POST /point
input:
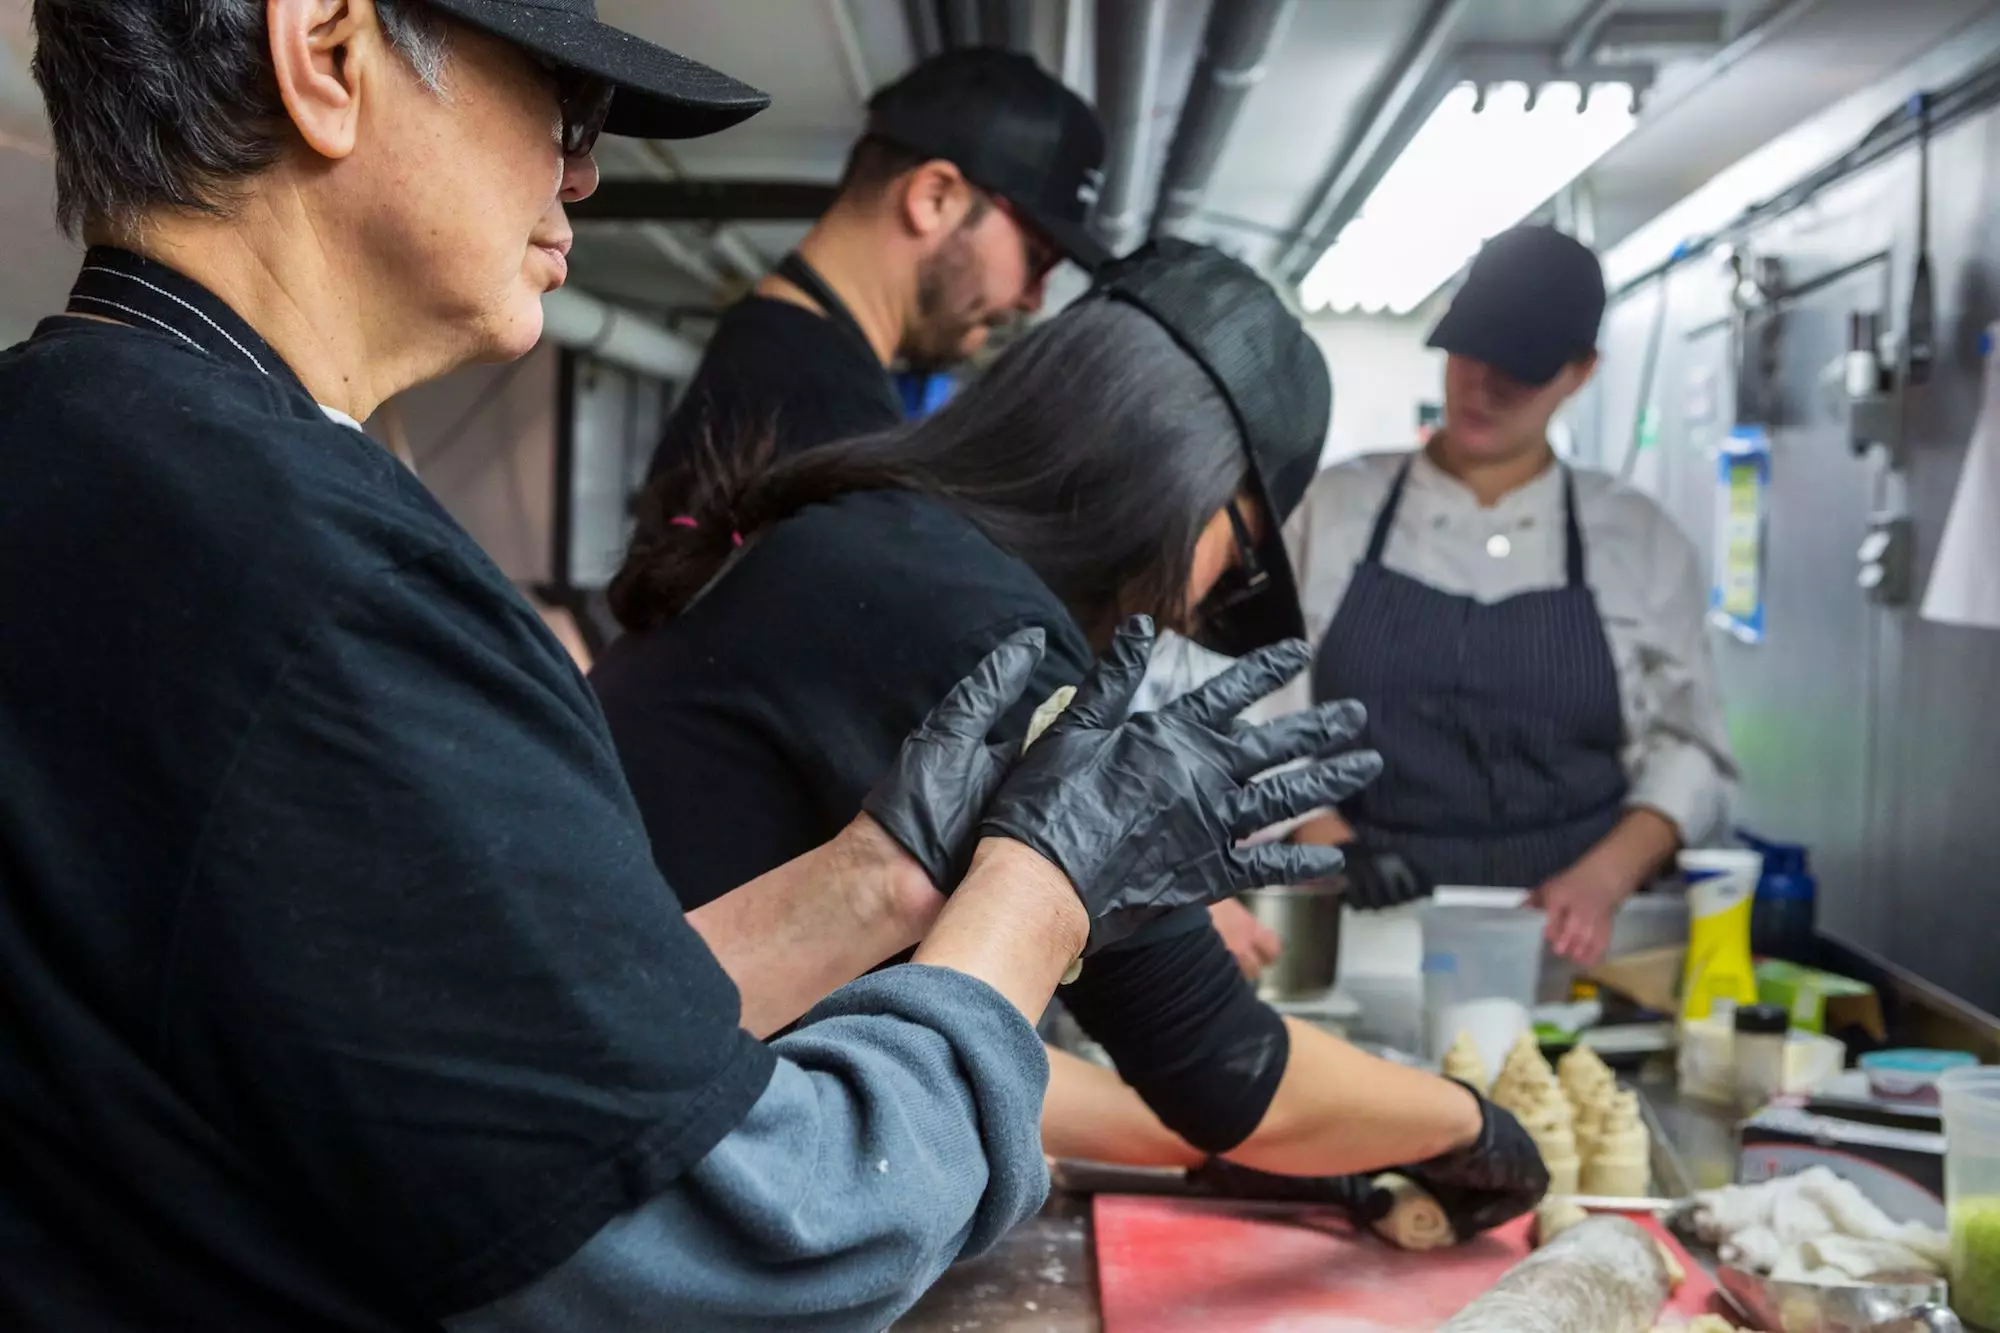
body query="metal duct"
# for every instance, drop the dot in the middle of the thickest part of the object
(1581, 39)
(1131, 42)
(1008, 23)
(579, 320)
(959, 20)
(1234, 50)
(1393, 114)
(926, 33)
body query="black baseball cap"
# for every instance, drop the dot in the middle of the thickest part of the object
(1012, 128)
(1274, 378)
(1529, 307)
(661, 94)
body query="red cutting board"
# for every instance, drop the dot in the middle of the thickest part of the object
(1198, 1266)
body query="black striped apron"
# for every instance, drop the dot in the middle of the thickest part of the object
(1499, 724)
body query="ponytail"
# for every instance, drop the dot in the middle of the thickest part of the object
(693, 516)
(1094, 450)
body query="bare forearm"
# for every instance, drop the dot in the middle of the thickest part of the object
(790, 938)
(1339, 1111)
(1014, 923)
(1637, 847)
(1091, 1114)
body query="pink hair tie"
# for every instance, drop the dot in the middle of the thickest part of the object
(683, 521)
(736, 537)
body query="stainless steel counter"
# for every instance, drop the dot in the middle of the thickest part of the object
(1041, 1278)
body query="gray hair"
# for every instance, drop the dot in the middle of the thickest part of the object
(176, 105)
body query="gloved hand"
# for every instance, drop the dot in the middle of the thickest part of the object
(1494, 1179)
(932, 796)
(1144, 814)
(1377, 879)
(1355, 1196)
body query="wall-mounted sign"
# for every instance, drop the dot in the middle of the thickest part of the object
(1742, 497)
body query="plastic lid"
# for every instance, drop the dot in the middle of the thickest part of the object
(1763, 1020)
(1917, 1061)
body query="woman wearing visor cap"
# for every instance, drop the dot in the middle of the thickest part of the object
(1528, 636)
(1120, 459)
(340, 989)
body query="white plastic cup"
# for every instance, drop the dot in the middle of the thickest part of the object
(1970, 1100)
(1482, 966)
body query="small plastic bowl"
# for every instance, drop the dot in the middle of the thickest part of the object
(1911, 1075)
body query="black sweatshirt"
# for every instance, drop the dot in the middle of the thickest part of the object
(775, 368)
(752, 726)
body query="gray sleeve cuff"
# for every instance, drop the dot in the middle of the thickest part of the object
(901, 1131)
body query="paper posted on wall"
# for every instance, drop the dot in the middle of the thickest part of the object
(1965, 581)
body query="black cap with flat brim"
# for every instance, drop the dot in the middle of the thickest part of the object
(1011, 128)
(1530, 306)
(661, 94)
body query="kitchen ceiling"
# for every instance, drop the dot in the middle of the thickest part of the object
(1328, 68)
(1329, 64)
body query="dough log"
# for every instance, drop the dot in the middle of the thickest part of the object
(1555, 1216)
(1415, 1221)
(1600, 1276)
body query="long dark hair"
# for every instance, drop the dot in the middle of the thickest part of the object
(1095, 450)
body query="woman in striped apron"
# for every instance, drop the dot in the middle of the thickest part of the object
(1528, 637)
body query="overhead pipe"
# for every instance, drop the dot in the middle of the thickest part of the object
(1008, 23)
(1235, 50)
(960, 22)
(580, 321)
(926, 32)
(1393, 108)
(1131, 45)
(1582, 37)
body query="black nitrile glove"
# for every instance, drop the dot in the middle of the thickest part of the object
(931, 798)
(1495, 1179)
(1378, 879)
(1356, 1196)
(1144, 814)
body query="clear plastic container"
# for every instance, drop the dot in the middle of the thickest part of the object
(1971, 1102)
(1911, 1075)
(1481, 969)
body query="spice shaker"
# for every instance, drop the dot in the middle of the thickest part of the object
(1760, 1054)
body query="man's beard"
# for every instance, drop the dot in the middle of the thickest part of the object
(947, 308)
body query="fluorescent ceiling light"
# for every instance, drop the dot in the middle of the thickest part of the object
(1470, 173)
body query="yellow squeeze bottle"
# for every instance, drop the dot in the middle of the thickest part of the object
(1722, 885)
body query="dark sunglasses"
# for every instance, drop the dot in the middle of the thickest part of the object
(1040, 256)
(1247, 580)
(586, 102)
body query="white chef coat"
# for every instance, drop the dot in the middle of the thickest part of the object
(1645, 573)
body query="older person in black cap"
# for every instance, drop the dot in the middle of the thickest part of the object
(970, 183)
(1528, 636)
(340, 988)
(1126, 457)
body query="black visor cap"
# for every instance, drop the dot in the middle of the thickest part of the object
(661, 94)
(1530, 305)
(1274, 379)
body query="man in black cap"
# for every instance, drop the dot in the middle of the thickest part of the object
(1528, 637)
(971, 182)
(340, 990)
